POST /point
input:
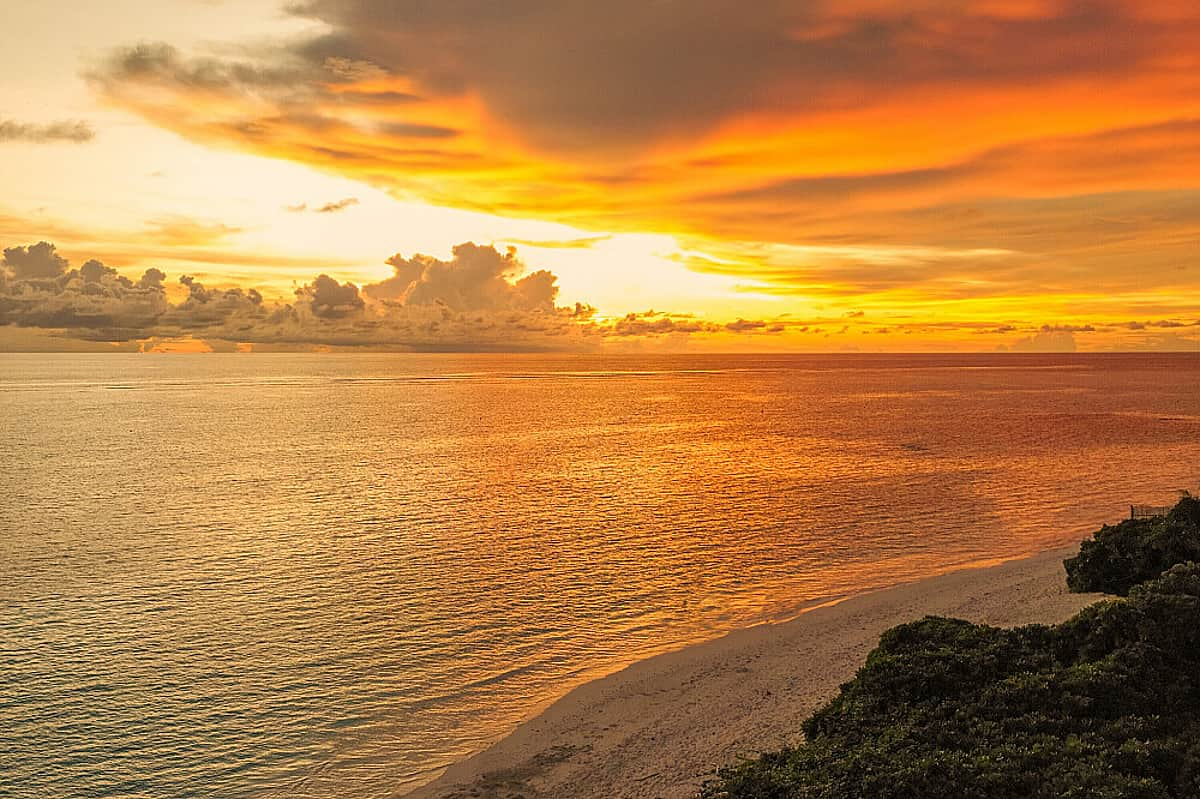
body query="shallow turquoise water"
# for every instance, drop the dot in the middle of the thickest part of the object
(298, 575)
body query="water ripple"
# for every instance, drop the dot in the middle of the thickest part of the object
(303, 576)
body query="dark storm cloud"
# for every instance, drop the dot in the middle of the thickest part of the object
(585, 76)
(74, 131)
(576, 73)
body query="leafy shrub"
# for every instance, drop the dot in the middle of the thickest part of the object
(1103, 706)
(1121, 556)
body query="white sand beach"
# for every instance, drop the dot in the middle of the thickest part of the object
(659, 728)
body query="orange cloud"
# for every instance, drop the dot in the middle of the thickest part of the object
(987, 153)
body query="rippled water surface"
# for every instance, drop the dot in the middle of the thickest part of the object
(330, 575)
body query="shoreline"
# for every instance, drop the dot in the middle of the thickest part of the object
(661, 726)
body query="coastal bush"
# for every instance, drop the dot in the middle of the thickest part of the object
(1120, 556)
(1103, 706)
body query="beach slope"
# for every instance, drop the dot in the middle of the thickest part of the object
(660, 727)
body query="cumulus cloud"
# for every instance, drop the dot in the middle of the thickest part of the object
(658, 323)
(756, 325)
(1047, 340)
(40, 290)
(71, 130)
(1050, 329)
(652, 324)
(1160, 323)
(36, 261)
(329, 299)
(480, 299)
(152, 279)
(475, 278)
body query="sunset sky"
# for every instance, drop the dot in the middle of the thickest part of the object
(705, 175)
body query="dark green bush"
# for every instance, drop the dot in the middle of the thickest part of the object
(1123, 555)
(1103, 706)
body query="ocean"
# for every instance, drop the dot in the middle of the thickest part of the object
(333, 574)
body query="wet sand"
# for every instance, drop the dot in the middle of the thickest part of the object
(660, 727)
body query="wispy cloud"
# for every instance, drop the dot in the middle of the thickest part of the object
(185, 231)
(340, 205)
(325, 208)
(72, 131)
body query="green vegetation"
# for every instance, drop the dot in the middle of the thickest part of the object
(1103, 706)
(1136, 550)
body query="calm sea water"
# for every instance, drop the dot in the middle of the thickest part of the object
(296, 575)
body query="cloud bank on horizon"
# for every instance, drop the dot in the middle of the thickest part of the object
(473, 301)
(479, 300)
